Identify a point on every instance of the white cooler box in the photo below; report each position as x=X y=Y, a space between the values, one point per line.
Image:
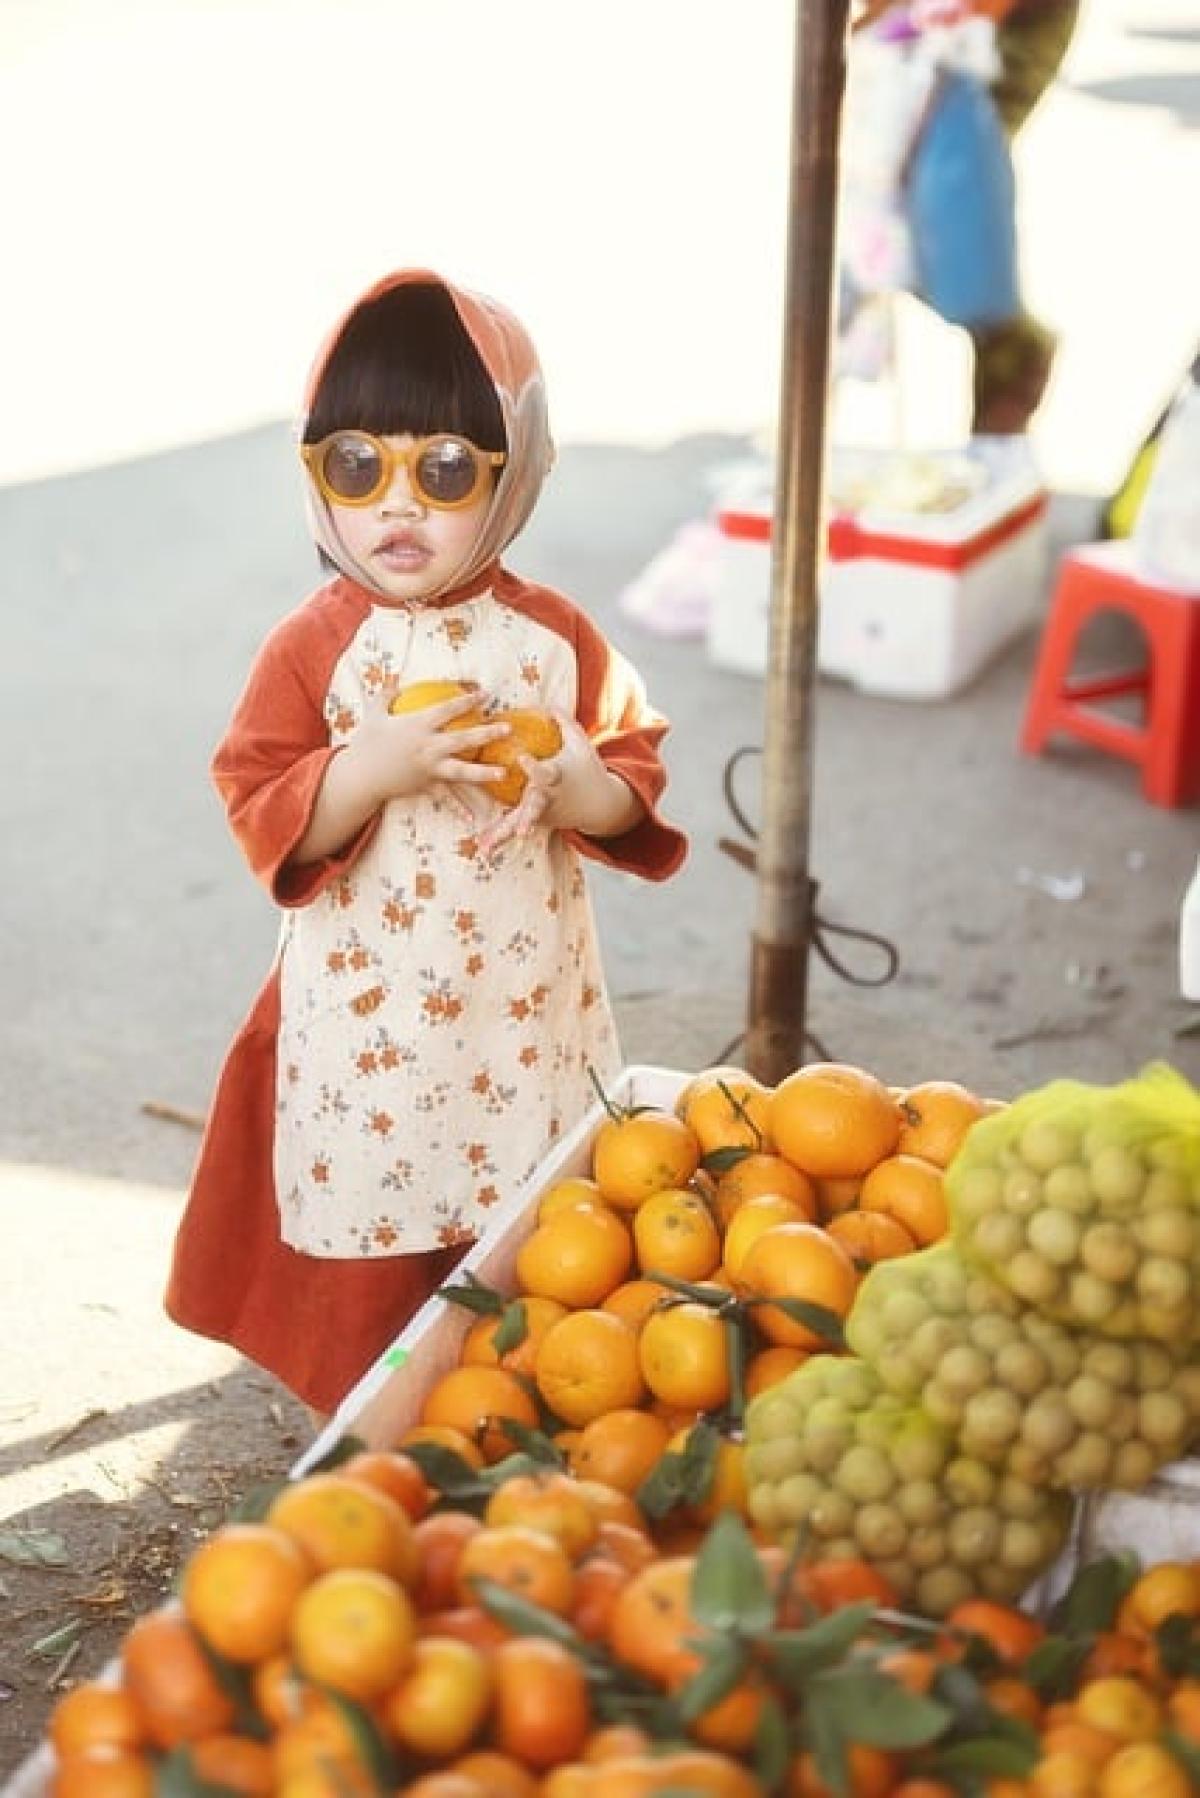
x=913 y=604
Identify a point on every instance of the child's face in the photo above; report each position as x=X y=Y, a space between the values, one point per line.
x=409 y=547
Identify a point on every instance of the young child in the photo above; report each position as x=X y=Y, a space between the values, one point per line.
x=437 y=997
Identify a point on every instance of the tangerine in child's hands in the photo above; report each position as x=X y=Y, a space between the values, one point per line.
x=530 y=732
x=422 y=693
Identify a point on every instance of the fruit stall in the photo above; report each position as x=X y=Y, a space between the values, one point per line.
x=827 y=1438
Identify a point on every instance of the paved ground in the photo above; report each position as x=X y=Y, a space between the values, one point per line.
x=132 y=937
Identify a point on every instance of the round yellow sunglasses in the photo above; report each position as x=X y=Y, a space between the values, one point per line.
x=353 y=468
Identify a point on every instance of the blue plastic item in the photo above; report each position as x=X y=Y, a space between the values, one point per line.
x=961 y=208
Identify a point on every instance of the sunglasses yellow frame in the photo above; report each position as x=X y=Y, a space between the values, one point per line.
x=483 y=461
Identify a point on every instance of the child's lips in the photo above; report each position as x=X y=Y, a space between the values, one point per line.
x=403 y=552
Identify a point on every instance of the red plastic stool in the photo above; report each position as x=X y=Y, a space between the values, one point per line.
x=1101 y=577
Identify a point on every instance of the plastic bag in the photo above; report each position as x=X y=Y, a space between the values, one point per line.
x=1051 y=1405
x=1166 y=531
x=960 y=205
x=1084 y=1202
x=866 y=1476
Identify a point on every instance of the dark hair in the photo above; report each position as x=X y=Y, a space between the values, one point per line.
x=404 y=365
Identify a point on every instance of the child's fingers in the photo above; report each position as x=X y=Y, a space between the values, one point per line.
x=476 y=736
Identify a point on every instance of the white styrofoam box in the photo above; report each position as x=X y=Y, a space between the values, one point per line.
x=913 y=605
x=388 y=1398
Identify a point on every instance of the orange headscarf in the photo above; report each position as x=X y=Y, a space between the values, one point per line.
x=508 y=355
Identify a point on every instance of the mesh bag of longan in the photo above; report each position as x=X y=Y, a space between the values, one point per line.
x=1084 y=1203
x=862 y=1474
x=1017 y=1391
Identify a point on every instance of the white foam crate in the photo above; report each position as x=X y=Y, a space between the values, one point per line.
x=912 y=605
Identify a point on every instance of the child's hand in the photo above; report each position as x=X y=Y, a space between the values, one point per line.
x=572 y=790
x=396 y=756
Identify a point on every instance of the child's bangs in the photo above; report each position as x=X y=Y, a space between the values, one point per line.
x=404 y=365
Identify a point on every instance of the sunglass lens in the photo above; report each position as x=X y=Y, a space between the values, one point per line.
x=447 y=471
x=351 y=466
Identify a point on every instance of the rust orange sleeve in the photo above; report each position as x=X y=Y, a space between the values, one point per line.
x=270 y=764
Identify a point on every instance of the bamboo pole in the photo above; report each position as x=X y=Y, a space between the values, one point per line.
x=780 y=944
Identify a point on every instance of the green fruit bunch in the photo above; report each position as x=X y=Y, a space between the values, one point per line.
x=860 y=1473
x=1084 y=1202
x=1016 y=1390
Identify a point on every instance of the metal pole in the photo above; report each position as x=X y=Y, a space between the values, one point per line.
x=780 y=944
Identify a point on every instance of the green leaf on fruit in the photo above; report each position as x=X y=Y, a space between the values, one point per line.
x=799 y=1653
x=822 y=1322
x=1090 y=1603
x=682 y=1476
x=1053 y=1667
x=772 y=1745
x=1178 y=1642
x=474 y=1296
x=512 y=1329
x=869 y=1707
x=719 y=1161
x=729 y=1589
x=999 y=1756
x=725 y=1660
x=535 y=1445
x=371 y=1747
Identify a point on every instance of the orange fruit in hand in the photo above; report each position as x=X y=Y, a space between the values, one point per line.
x=576 y=1257
x=588 y=1364
x=549 y=1502
x=727 y=1110
x=684 y=1356
x=755 y=1175
x=439 y=1706
x=674 y=1234
x=98 y=1716
x=530 y=732
x=936 y=1116
x=170 y=1679
x=343 y=1522
x=240 y=1586
x=871 y=1236
x=477 y=1400
x=541 y=1710
x=526 y=1561
x=798 y=1261
x=354 y=1629
x=423 y=693
x=911 y=1191
x=619 y=1448
x=479 y=1343
x=637 y=1154
x=834 y=1120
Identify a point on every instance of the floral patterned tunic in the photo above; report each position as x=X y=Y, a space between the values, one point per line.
x=426 y=1030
